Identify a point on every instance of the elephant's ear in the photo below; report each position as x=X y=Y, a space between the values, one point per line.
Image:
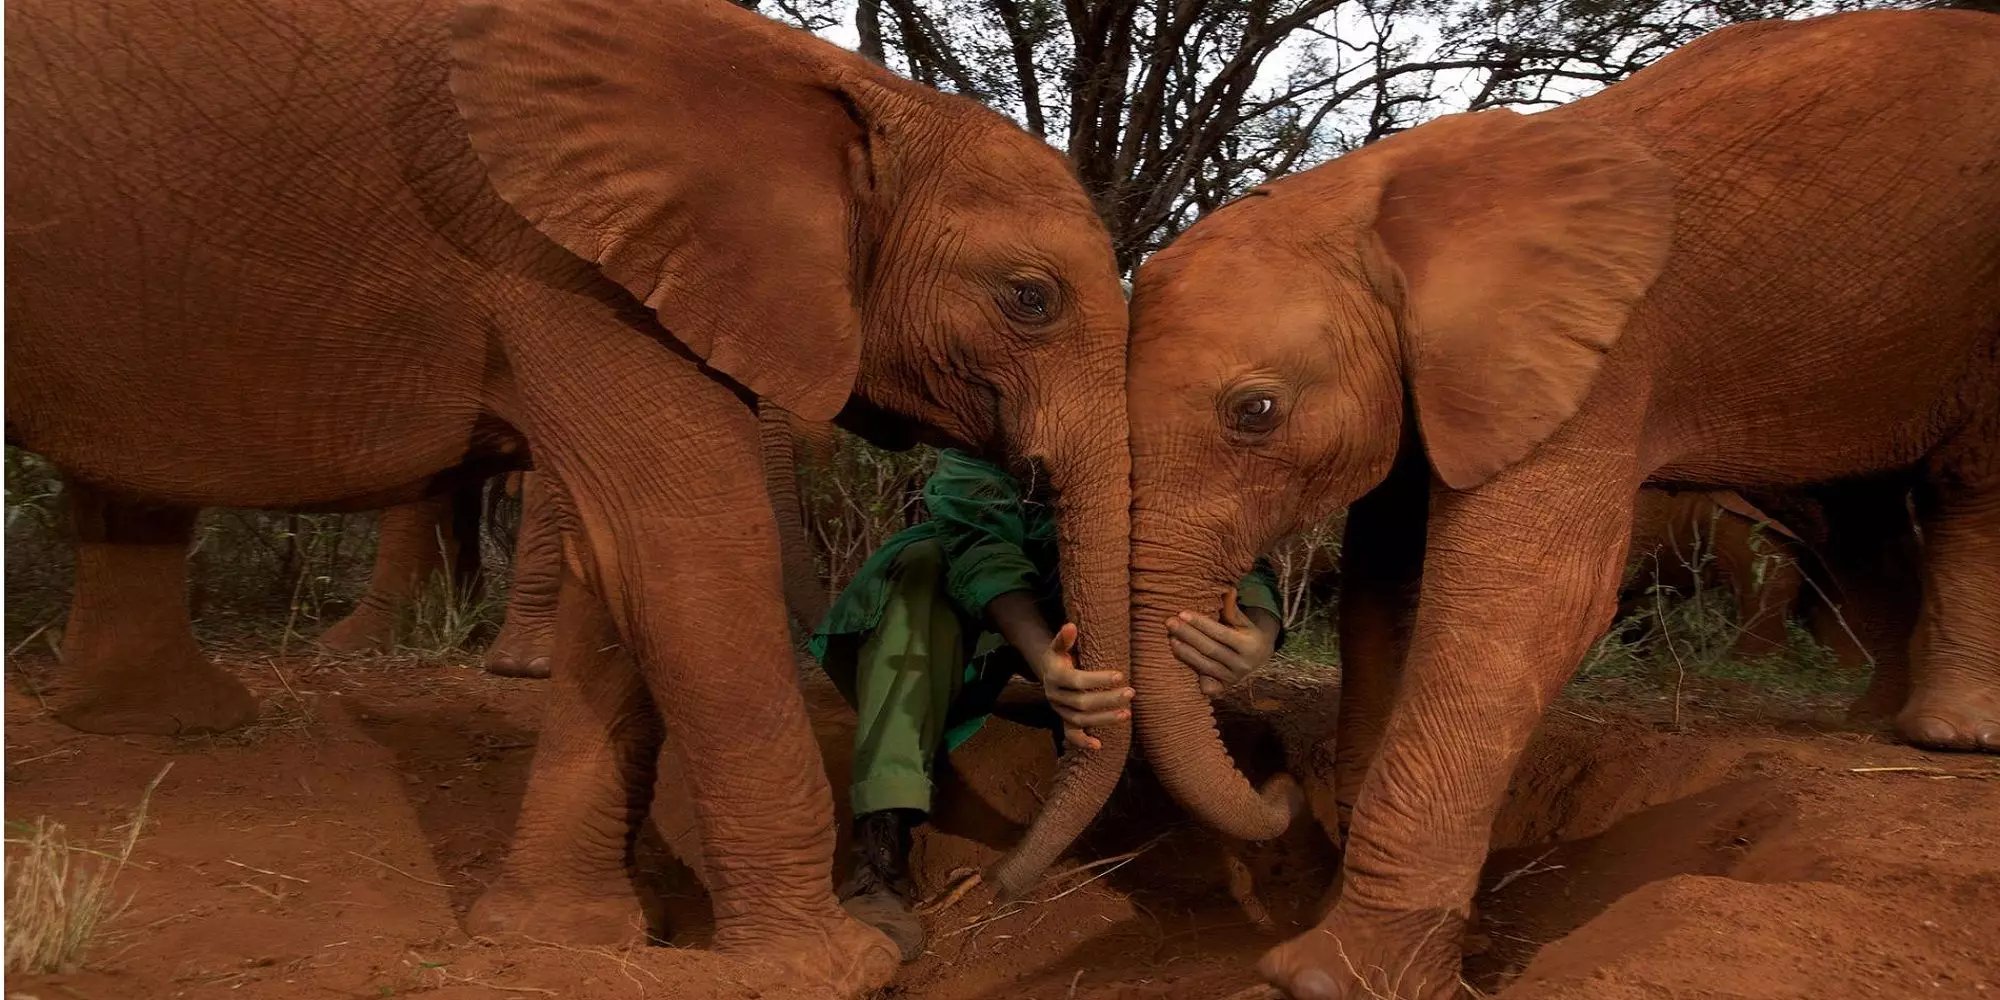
x=1523 y=245
x=1733 y=502
x=710 y=161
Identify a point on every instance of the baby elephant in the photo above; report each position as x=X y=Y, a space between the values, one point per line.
x=1770 y=259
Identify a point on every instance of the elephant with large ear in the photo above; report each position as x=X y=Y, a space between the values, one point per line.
x=297 y=253
x=1771 y=258
x=440 y=535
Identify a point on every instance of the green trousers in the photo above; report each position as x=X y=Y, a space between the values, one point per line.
x=922 y=681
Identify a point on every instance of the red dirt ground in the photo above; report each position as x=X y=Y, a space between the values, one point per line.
x=332 y=850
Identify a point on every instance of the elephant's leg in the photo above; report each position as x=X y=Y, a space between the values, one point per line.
x=1868 y=611
x=1515 y=590
x=523 y=647
x=130 y=663
x=805 y=596
x=1381 y=567
x=414 y=541
x=671 y=513
x=566 y=873
x=1955 y=692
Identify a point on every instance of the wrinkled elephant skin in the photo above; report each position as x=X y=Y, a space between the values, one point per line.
x=419 y=539
x=294 y=253
x=1770 y=259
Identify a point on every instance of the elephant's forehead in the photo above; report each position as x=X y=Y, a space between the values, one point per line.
x=1225 y=287
x=999 y=167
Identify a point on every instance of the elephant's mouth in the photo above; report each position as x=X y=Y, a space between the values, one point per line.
x=881 y=427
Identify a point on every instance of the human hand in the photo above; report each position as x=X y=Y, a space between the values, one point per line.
x=1224 y=652
x=1082 y=698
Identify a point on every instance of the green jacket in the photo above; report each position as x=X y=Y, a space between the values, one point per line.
x=995 y=541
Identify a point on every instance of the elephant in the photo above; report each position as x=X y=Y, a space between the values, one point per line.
x=1865 y=578
x=315 y=255
x=422 y=538
x=1681 y=540
x=1770 y=259
x=1853 y=590
x=435 y=535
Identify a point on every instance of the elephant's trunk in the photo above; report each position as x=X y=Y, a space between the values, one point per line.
x=1094 y=513
x=1176 y=723
x=805 y=596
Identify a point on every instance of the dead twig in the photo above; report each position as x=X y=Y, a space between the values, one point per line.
x=1926 y=770
x=260 y=890
x=23 y=644
x=963 y=880
x=1580 y=715
x=267 y=871
x=1115 y=859
x=1127 y=860
x=1002 y=915
x=966 y=882
x=1525 y=870
x=1680 y=666
x=399 y=871
x=58 y=752
x=280 y=674
x=625 y=965
x=448 y=976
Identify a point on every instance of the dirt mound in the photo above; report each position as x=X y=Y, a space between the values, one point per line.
x=335 y=848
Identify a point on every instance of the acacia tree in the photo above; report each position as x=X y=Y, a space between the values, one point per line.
x=1168 y=108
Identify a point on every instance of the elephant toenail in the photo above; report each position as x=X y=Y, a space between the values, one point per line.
x=1933 y=731
x=1312 y=984
x=1989 y=736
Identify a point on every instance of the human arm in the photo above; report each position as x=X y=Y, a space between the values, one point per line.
x=1224 y=652
x=1082 y=698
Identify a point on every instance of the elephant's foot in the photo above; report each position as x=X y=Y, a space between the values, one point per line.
x=182 y=695
x=1960 y=714
x=1412 y=957
x=836 y=954
x=367 y=629
x=602 y=915
x=521 y=650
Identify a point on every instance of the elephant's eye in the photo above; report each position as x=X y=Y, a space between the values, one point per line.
x=1254 y=412
x=1028 y=301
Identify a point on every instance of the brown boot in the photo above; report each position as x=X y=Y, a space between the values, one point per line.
x=878 y=891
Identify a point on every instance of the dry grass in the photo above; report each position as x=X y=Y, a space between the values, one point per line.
x=446 y=617
x=62 y=893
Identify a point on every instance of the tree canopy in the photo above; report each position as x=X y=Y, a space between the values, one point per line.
x=1169 y=108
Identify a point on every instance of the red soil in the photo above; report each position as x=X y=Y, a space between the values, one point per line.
x=332 y=854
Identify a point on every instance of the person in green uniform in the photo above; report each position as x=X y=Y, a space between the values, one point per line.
x=935 y=624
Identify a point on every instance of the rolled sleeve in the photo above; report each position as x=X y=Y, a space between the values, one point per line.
x=1260 y=590
x=982 y=530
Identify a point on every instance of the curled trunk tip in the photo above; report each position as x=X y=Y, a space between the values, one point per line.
x=1175 y=720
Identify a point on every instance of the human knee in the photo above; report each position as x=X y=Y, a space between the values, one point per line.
x=919 y=566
